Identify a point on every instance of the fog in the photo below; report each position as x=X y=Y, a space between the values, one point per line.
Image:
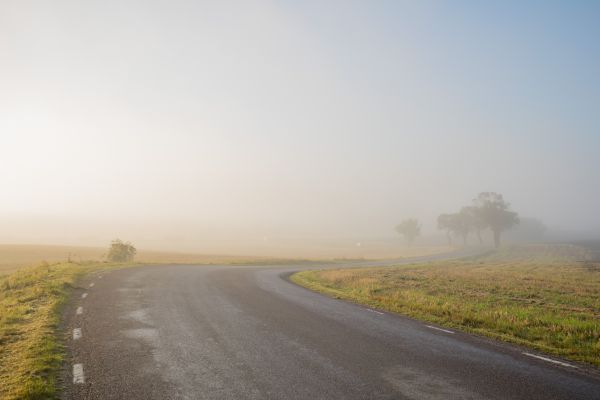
x=223 y=126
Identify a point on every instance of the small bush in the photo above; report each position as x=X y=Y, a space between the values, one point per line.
x=120 y=251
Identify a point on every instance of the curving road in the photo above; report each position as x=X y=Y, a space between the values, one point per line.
x=219 y=332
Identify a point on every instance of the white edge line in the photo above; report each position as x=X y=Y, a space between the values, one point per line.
x=439 y=329
x=83 y=296
x=78 y=377
x=549 y=360
x=92 y=284
x=79 y=310
x=375 y=311
x=76 y=333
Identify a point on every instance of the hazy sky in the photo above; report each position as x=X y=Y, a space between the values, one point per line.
x=283 y=117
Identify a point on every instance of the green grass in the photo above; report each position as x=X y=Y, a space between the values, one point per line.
x=542 y=297
x=30 y=349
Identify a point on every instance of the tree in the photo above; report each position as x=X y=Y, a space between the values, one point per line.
x=494 y=211
x=120 y=251
x=445 y=223
x=476 y=221
x=462 y=224
x=528 y=230
x=458 y=224
x=410 y=229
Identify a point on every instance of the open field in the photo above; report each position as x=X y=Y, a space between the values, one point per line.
x=544 y=297
x=15 y=256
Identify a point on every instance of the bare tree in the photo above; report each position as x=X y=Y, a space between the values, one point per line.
x=410 y=229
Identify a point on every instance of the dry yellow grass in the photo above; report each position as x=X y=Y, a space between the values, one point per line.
x=16 y=256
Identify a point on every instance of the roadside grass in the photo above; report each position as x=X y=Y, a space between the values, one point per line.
x=542 y=297
x=30 y=349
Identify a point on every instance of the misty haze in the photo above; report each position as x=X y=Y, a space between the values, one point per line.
x=303 y=200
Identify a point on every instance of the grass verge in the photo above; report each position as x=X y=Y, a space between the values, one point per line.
x=30 y=305
x=542 y=297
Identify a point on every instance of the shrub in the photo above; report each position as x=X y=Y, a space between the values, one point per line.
x=120 y=251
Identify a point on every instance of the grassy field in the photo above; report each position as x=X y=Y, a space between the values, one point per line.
x=30 y=351
x=14 y=257
x=543 y=297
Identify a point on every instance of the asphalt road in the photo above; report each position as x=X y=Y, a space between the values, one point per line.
x=210 y=332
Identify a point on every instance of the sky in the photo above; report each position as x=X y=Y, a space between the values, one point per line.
x=189 y=121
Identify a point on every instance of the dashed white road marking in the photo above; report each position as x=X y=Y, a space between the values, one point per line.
x=79 y=310
x=550 y=360
x=78 y=377
x=375 y=311
x=76 y=333
x=439 y=329
x=92 y=284
x=83 y=296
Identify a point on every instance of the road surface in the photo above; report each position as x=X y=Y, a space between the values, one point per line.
x=223 y=332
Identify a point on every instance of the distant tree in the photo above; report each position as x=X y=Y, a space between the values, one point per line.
x=445 y=223
x=463 y=223
x=528 y=230
x=494 y=211
x=410 y=229
x=120 y=251
x=476 y=221
x=458 y=224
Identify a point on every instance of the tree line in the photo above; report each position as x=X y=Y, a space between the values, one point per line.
x=488 y=210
